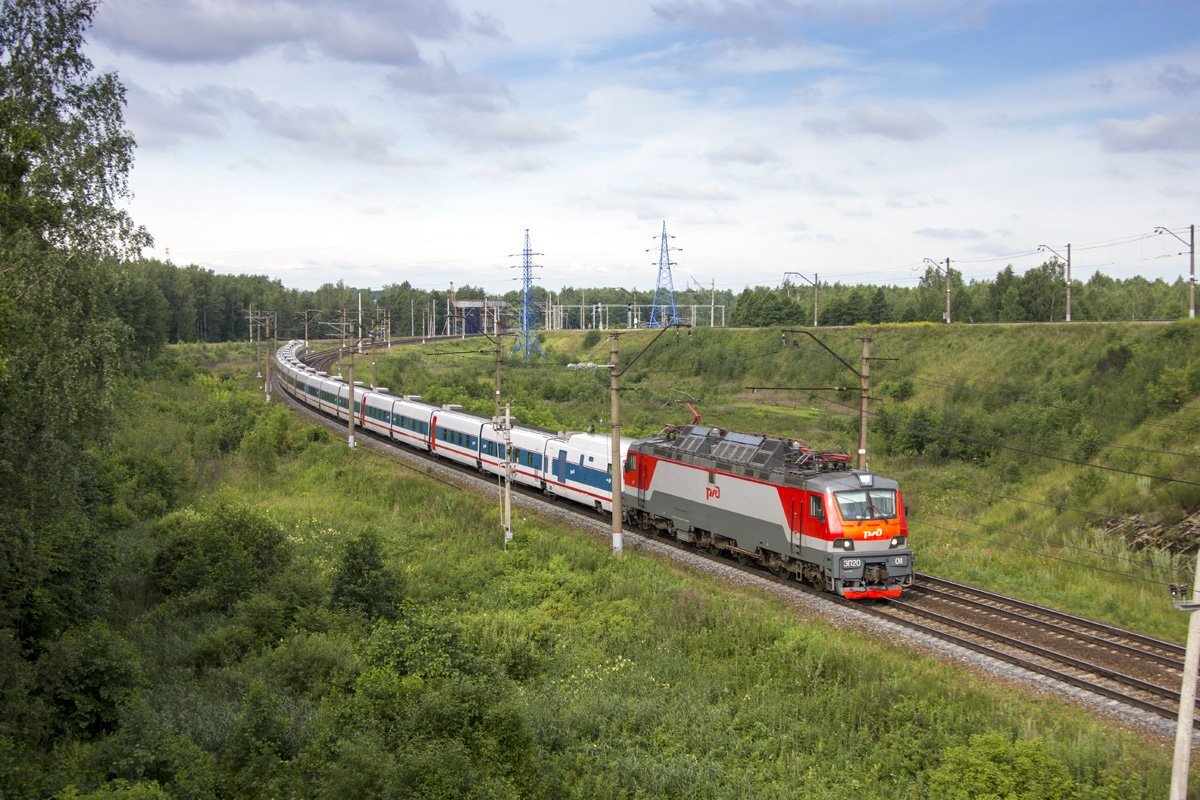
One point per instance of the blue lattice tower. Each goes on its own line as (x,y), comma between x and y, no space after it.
(663,312)
(527,342)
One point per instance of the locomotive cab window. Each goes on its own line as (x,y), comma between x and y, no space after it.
(630,462)
(866,504)
(815,509)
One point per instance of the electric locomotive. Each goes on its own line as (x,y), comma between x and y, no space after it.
(799,512)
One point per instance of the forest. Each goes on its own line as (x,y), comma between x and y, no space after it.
(194,304)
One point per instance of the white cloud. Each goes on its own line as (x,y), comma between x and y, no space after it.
(901,123)
(376,31)
(1154,132)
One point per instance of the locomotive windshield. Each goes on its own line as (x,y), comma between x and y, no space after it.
(866,504)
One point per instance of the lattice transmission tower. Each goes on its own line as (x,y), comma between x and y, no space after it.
(663,312)
(527,341)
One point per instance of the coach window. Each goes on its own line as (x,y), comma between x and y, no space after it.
(712,477)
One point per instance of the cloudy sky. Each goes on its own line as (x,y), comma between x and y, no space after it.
(378,141)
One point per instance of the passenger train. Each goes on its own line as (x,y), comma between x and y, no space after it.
(799,512)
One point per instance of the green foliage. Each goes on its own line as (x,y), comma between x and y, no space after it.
(147,750)
(312,663)
(213,558)
(119,790)
(86,675)
(1175,387)
(416,645)
(590,340)
(255,757)
(362,582)
(227,418)
(144,486)
(899,391)
(66,153)
(992,767)
(267,440)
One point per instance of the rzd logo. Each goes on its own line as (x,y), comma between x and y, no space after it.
(712,493)
(875,534)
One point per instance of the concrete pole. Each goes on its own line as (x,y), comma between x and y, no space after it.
(508,470)
(1192,273)
(816,295)
(1187,700)
(947,291)
(1068,281)
(864,385)
(497,412)
(614,383)
(350,401)
(270,345)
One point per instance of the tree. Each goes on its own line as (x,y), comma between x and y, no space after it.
(1011,309)
(64,157)
(66,153)
(879,310)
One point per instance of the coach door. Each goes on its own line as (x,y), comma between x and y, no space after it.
(560,467)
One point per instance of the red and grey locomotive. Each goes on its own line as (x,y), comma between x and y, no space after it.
(797,511)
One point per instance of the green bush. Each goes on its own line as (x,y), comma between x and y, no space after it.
(146,750)
(256,757)
(362,582)
(219,556)
(118,790)
(267,440)
(312,663)
(992,767)
(86,675)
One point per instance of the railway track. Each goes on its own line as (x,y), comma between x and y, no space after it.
(1124,666)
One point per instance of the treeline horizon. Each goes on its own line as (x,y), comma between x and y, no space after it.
(192,303)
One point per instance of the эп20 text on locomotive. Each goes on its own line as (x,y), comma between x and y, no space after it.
(794,510)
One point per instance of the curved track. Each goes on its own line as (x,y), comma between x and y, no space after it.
(1130,668)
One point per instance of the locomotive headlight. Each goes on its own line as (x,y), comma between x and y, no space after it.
(843,544)
(899,541)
